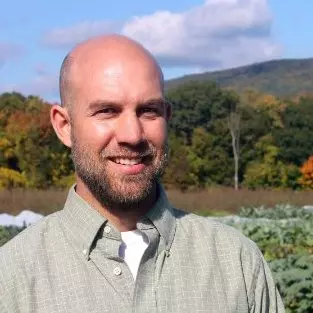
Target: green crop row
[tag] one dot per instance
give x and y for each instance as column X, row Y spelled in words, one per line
column 285, row 236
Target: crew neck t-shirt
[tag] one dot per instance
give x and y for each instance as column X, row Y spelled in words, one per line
column 134, row 244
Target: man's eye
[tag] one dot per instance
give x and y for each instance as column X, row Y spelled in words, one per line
column 106, row 111
column 149, row 111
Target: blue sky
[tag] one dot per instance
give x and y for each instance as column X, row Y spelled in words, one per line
column 186, row 36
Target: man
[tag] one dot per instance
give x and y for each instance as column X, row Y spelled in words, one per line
column 118, row 245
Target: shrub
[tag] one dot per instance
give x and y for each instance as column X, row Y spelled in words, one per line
column 294, row 278
column 11, row 179
column 7, row 233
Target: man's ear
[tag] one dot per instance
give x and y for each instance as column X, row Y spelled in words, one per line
column 60, row 121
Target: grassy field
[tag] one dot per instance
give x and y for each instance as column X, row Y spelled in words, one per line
column 213, row 201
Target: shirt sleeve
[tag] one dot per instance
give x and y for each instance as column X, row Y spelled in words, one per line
column 265, row 295
column 2, row 308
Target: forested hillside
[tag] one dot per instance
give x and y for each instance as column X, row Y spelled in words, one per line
column 273, row 141
column 277, row 77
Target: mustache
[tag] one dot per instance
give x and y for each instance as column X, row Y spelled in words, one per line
column 148, row 151
column 126, row 156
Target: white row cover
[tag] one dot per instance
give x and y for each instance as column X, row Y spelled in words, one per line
column 26, row 217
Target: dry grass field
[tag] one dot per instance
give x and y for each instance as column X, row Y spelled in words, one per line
column 207, row 202
column 228, row 200
column 40, row 201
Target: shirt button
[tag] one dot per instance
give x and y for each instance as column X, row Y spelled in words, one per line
column 107, row 229
column 117, row 271
column 84, row 251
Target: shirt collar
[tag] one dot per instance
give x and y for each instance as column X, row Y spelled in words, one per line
column 81, row 220
column 162, row 217
column 84, row 222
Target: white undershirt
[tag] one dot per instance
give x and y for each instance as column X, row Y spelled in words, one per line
column 134, row 244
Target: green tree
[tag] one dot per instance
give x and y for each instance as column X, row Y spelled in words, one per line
column 295, row 139
column 198, row 104
column 210, row 164
column 178, row 171
column 255, row 124
column 270, row 171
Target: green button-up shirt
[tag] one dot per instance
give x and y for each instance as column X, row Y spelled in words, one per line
column 69, row 262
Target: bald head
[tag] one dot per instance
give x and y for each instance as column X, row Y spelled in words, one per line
column 107, row 53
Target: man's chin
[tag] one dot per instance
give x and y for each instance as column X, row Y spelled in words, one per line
column 130, row 190
column 133, row 189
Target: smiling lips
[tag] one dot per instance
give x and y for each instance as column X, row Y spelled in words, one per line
column 125, row 161
column 129, row 166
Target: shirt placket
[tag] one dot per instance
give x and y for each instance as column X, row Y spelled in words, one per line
column 144, row 299
column 114, row 270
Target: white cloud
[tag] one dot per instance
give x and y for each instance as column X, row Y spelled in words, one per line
column 10, row 51
column 216, row 34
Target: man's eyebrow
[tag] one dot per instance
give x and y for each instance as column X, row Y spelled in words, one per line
column 154, row 101
column 101, row 103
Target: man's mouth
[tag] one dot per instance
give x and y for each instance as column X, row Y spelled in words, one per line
column 130, row 165
column 129, row 161
column 125, row 161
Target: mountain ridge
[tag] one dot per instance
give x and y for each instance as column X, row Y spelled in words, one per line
column 280, row 77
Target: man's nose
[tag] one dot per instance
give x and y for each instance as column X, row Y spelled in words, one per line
column 129, row 130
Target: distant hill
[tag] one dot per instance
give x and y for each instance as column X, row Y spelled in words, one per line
column 284, row 77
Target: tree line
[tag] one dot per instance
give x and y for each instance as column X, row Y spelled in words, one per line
column 216, row 137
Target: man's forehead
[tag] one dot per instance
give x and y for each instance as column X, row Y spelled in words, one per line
column 90, row 70
column 130, row 74
column 113, row 71
column 123, row 94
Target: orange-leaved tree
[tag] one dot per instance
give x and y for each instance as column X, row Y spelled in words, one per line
column 306, row 180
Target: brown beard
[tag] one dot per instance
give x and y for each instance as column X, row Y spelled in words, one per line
column 122, row 193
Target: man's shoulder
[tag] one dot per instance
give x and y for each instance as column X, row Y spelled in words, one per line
column 32, row 240
column 212, row 246
column 213, row 231
column 26, row 256
column 209, row 238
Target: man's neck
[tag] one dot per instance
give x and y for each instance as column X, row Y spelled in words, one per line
column 122, row 219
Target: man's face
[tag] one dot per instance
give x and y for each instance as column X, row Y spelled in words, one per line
column 119, row 132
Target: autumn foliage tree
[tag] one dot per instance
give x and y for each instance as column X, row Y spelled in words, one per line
column 28, row 144
column 276, row 137
column 306, row 180
column 10, row 179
